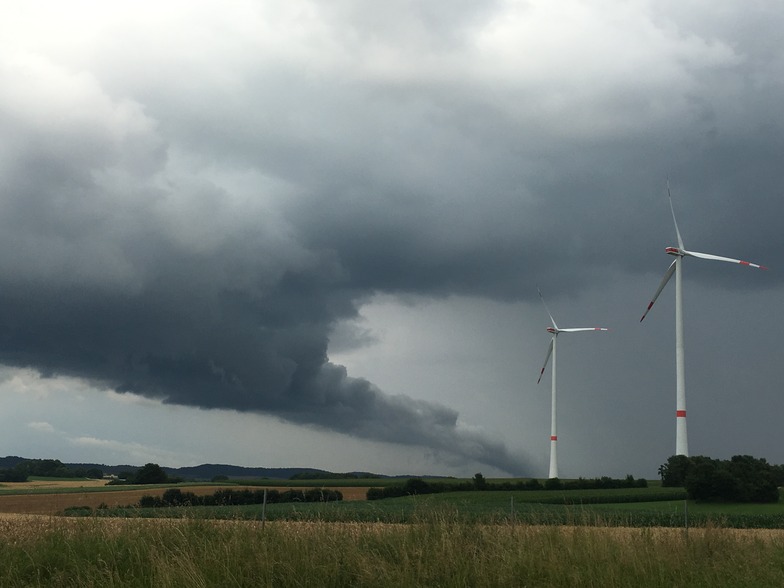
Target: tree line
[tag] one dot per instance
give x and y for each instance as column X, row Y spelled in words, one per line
column 46, row 468
column 231, row 497
column 415, row 486
column 742, row 478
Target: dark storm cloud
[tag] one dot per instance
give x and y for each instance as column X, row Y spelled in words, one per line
column 175, row 289
column 195, row 235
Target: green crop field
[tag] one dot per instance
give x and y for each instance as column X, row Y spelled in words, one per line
column 638, row 507
column 629, row 537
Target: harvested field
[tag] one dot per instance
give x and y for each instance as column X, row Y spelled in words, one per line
column 54, row 503
column 54, row 484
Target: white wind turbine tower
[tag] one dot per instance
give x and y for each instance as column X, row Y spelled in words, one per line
column 551, row 350
column 679, row 252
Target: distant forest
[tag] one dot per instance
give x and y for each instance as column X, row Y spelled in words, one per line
column 19, row 469
column 22, row 469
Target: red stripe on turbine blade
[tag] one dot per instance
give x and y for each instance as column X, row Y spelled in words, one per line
column 762, row 267
column 553, row 437
column 680, row 414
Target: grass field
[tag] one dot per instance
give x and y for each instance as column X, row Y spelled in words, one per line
column 602, row 538
column 65, row 552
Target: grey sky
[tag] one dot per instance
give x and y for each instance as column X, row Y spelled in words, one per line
column 329, row 220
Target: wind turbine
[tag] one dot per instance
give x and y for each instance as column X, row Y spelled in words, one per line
column 551, row 350
column 679, row 252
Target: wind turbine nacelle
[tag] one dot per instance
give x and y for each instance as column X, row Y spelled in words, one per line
column 551, row 330
column 673, row 251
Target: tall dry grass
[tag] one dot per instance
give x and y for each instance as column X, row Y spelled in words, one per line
column 41, row 551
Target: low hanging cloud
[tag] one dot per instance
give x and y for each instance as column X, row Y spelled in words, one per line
column 187, row 214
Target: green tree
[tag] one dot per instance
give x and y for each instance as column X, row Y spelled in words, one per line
column 755, row 478
column 150, row 473
column 674, row 472
column 777, row 471
column 13, row 475
column 417, row 486
column 533, row 484
column 176, row 497
column 740, row 479
column 708, row 480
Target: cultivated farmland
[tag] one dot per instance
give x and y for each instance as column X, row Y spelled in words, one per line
column 452, row 539
column 53, row 497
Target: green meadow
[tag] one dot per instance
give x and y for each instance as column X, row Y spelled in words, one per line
column 436, row 551
column 625, row 537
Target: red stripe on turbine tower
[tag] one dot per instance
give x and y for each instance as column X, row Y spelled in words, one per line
column 680, row 414
column 553, row 437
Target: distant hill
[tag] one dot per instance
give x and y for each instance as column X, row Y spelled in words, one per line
column 197, row 473
column 208, row 471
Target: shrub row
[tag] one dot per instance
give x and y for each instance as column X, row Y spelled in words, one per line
column 419, row 486
column 229, row 497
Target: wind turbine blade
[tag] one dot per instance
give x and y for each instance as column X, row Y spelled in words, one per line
column 720, row 258
column 578, row 329
column 672, row 209
column 546, row 359
column 662, row 284
column 552, row 320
